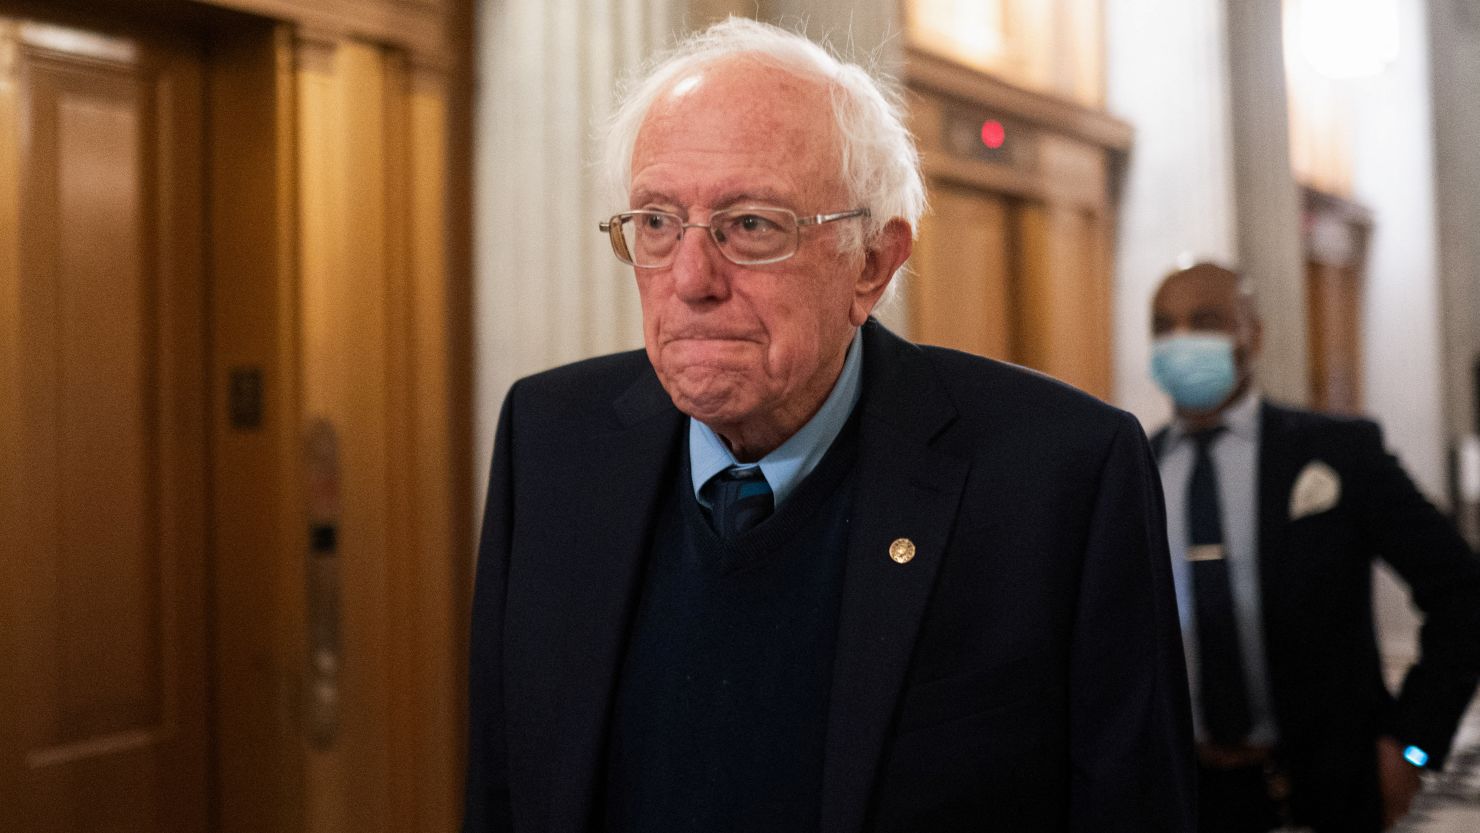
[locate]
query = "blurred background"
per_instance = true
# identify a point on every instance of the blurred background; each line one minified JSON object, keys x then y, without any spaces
{"x":267,"y":268}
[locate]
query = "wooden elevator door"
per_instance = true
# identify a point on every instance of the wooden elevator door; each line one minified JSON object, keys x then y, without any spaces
{"x":961,"y":287}
{"x":1015,"y":280}
{"x":103,"y":487}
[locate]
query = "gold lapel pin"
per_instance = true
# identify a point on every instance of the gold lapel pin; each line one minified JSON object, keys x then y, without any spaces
{"x":902,"y":550}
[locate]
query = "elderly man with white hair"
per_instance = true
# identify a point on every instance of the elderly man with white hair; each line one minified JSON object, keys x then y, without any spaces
{"x":783,"y":570}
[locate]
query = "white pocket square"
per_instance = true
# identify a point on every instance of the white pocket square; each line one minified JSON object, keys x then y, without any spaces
{"x":1317,"y":489}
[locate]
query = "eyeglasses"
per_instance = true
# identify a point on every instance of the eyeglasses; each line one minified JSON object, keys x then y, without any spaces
{"x":749,"y":236}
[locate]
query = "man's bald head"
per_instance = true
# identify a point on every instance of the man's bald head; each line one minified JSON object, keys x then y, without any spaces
{"x":1208,"y":299}
{"x":1204,"y":296}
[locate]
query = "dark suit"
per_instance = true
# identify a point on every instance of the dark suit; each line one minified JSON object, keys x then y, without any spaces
{"x":1023,"y":672}
{"x":1315,"y":573}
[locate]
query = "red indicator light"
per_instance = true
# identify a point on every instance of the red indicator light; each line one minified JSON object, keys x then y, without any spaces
{"x":993,"y":133}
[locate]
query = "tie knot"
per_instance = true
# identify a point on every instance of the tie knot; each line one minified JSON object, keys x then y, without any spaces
{"x":739,"y":498}
{"x":1204,"y":439}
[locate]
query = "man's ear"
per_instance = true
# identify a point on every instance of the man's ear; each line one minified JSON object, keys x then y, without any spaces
{"x":889,"y":252}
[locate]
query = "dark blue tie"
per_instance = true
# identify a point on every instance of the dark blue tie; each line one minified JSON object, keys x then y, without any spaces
{"x":1224,"y":695}
{"x":739,"y":498}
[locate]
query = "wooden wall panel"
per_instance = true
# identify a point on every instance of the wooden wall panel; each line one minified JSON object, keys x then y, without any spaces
{"x":439,"y":579}
{"x":329,"y":215}
{"x":373,"y":250}
{"x":1064,"y":298}
{"x":13,"y":486}
{"x":1050,"y":46}
{"x":343,"y":302}
{"x":965,"y":249}
{"x":1052,"y":253}
{"x":106,"y":435}
{"x":416,"y":25}
{"x":259,"y":524}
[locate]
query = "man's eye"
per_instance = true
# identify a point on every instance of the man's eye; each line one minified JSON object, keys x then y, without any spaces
{"x":655,"y":222}
{"x":753,"y":224}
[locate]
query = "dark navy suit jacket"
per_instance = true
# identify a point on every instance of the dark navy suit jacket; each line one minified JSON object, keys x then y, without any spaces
{"x":1315,"y":581}
{"x":1023,"y":672}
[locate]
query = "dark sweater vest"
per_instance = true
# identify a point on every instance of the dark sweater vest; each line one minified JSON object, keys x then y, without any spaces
{"x":721,"y":709}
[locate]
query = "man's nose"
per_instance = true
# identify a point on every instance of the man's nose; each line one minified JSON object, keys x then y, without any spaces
{"x":698,"y":268}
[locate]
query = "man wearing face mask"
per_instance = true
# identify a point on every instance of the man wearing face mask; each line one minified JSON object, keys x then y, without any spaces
{"x":1274,"y":516}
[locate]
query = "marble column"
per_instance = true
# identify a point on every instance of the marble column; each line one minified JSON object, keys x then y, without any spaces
{"x":1267,"y":199}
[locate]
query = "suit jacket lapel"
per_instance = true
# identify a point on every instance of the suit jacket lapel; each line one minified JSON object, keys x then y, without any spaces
{"x":1277,"y":463}
{"x":903,"y":488}
{"x":621,"y":476}
{"x":1275,"y":477}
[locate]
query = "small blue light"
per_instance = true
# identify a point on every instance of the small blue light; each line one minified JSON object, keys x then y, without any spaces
{"x":1416,"y":756}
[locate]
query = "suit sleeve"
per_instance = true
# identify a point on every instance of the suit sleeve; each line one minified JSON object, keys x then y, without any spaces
{"x":1130,"y":721}
{"x":1444,"y":577}
{"x":487,"y":807}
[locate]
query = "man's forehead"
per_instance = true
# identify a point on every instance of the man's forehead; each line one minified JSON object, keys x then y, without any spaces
{"x":741,"y":100}
{"x":743,"y":126}
{"x":1199,"y":287}
{"x":736,"y":77}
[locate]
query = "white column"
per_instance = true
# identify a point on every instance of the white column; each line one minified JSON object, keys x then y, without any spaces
{"x":1393,"y":174}
{"x":1267,"y":199}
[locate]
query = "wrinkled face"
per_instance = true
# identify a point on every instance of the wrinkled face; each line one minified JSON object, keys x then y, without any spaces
{"x":739,"y":345}
{"x":1206,"y":299}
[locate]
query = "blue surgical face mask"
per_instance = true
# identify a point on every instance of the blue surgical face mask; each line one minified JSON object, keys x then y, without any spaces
{"x":1195,"y":369}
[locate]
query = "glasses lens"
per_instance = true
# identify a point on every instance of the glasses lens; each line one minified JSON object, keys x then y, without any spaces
{"x":755,"y":235}
{"x":649,"y":236}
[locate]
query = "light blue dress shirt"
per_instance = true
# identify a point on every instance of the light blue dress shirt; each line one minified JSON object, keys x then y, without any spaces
{"x":793,"y":460}
{"x":1236,"y":457}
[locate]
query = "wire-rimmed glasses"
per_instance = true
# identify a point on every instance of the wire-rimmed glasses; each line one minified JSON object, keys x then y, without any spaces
{"x":746,"y":236}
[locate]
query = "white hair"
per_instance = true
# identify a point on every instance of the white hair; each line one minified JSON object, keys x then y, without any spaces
{"x":880,"y":165}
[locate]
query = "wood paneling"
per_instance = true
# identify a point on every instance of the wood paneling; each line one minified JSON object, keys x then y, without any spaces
{"x":373,"y":296}
{"x":966,"y":302}
{"x":259,"y":525}
{"x":105,"y":574}
{"x":1064,"y":299}
{"x":1053,"y":47}
{"x":1336,"y":232}
{"x":433,"y":655}
{"x":1047,"y":259}
{"x":930,"y":73}
{"x":419,"y":26}
{"x":329,"y":295}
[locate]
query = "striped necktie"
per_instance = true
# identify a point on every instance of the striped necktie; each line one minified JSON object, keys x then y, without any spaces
{"x":739,"y":499}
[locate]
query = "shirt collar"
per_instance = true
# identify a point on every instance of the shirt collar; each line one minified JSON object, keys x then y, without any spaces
{"x":1241,"y":419}
{"x":793,"y":460}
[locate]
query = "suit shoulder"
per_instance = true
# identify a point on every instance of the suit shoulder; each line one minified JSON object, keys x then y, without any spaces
{"x":1007,"y":394}
{"x":1314,"y":424}
{"x":590,"y":383}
